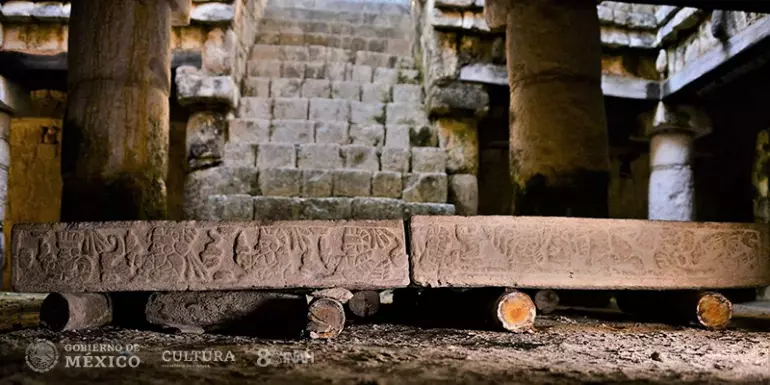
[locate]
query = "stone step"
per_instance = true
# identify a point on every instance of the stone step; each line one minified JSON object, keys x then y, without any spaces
{"x":249,"y":131}
{"x":335,"y":110}
{"x":323,"y":88}
{"x":371,"y":6}
{"x":402,"y":47}
{"x":334,"y":28}
{"x":402,"y":20}
{"x":334,"y":71}
{"x":319,"y":53}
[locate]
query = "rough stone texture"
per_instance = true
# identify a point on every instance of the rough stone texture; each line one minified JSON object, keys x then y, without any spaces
{"x":251,"y":131}
{"x":319,"y":156}
{"x":377,"y":208}
{"x":397,"y":136}
{"x":587,"y":253}
{"x":367,"y":113}
{"x":276,"y":155}
{"x":219,"y":52}
{"x":197,"y":88}
{"x":282,"y":182}
{"x":316,"y":183}
{"x":375,"y":93}
{"x":290,"y":108}
{"x":671,"y":192}
{"x":458,"y":97}
{"x":387,"y":184}
{"x":205,"y":139}
{"x":277,"y":208}
{"x":425,"y":187}
{"x":238,"y":207}
{"x":464,"y":193}
{"x":216,"y":180}
{"x":367,"y":134}
{"x":326,"y":208}
{"x":331,"y":132}
{"x":352,"y":183}
{"x":428,"y":159}
{"x":412,"y":209}
{"x":336,"y":110}
{"x":459,"y":138}
{"x":360,"y":157}
{"x":213,"y":13}
{"x":247,"y":312}
{"x":292,"y":131}
{"x":170,"y":256}
{"x":395,"y":159}
{"x":405,"y":113}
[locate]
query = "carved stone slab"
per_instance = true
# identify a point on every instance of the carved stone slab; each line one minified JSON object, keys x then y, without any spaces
{"x":587,"y":253}
{"x":166,"y":256}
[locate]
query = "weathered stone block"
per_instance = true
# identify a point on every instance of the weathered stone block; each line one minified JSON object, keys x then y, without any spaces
{"x":218,"y":53}
{"x":254,"y":313}
{"x":316,"y":183}
{"x":240,"y":155}
{"x":385,"y":75}
{"x":256,"y":108}
{"x":238,"y":207}
{"x":316,"y":88}
{"x":292,"y":131}
{"x":352,"y":183}
{"x":216,"y":180}
{"x":256,"y":87}
{"x":458,"y":97}
{"x":293,"y":69}
{"x":280,"y":182}
{"x":205,"y":139}
{"x":331,"y":132}
{"x":464,"y":193}
{"x":326,"y":208}
{"x":276,"y":155}
{"x":588,"y":253}
{"x":359,"y":73}
{"x":195,"y":88}
{"x":367,"y":134}
{"x":412,"y":209}
{"x":227,"y":255}
{"x":213,"y":13}
{"x":249,"y":131}
{"x":428,"y":159}
{"x":425,"y":187}
{"x":405,"y":113}
{"x":395,"y":159}
{"x":265,"y":68}
{"x":375,"y":92}
{"x":459,"y":138}
{"x":285,"y":88}
{"x":423,"y":136}
{"x":374,"y":59}
{"x":367,"y":113}
{"x":319,"y":156}
{"x":346,"y":90}
{"x":315,"y":70}
{"x":377,"y":208}
{"x":397,"y":136}
{"x":330,"y":110}
{"x":360,"y":157}
{"x":290,"y":108}
{"x":387,"y":184}
{"x":336,"y":71}
{"x":407,"y":93}
{"x":277,"y":208}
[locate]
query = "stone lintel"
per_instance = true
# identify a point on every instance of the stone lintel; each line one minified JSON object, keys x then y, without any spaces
{"x":582,"y":253}
{"x":174,"y":256}
{"x":14,"y":99}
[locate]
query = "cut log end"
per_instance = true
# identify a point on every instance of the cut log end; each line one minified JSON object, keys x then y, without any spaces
{"x":364,"y":304}
{"x":713,"y":310}
{"x":515,"y":311}
{"x":325,"y":318}
{"x":60,"y":312}
{"x":546,"y":301}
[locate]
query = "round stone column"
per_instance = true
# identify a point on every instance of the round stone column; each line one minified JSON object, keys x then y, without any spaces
{"x":116,"y":128}
{"x":671,"y":194}
{"x":558,"y":139}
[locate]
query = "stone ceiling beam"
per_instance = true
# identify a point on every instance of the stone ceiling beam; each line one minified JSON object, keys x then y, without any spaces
{"x":727,"y":5}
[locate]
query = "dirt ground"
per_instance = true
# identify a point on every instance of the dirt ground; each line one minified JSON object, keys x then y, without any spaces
{"x":568,"y":347}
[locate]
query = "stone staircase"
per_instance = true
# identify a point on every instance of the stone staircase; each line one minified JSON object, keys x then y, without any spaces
{"x":331,"y":117}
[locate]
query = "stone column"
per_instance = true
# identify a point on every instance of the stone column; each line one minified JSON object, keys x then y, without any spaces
{"x":116,"y":128}
{"x":558,"y":137}
{"x":5,"y":162}
{"x":672,"y":131}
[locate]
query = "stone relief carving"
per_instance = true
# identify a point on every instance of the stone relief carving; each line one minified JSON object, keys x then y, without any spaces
{"x":200,"y":256}
{"x":587,"y":253}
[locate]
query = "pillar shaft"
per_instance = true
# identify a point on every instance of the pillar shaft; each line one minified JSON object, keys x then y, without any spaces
{"x":558,"y":139}
{"x":671,"y":194}
{"x":5,"y":154}
{"x":116,"y":128}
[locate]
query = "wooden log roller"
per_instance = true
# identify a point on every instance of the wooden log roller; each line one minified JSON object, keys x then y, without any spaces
{"x":365,"y":303}
{"x":70,"y":311}
{"x":514,"y":311}
{"x":707,"y":309}
{"x":325,"y":318}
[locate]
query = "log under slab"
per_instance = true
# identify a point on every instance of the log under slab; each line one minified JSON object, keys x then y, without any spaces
{"x":582,"y":253}
{"x":171,"y":256}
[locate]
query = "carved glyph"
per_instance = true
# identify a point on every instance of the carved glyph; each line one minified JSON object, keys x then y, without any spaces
{"x":587,"y":253}
{"x":129,"y":256}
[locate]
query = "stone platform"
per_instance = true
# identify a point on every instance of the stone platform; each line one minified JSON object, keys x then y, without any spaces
{"x":580,"y":253}
{"x":532,"y":252}
{"x":169,"y":256}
